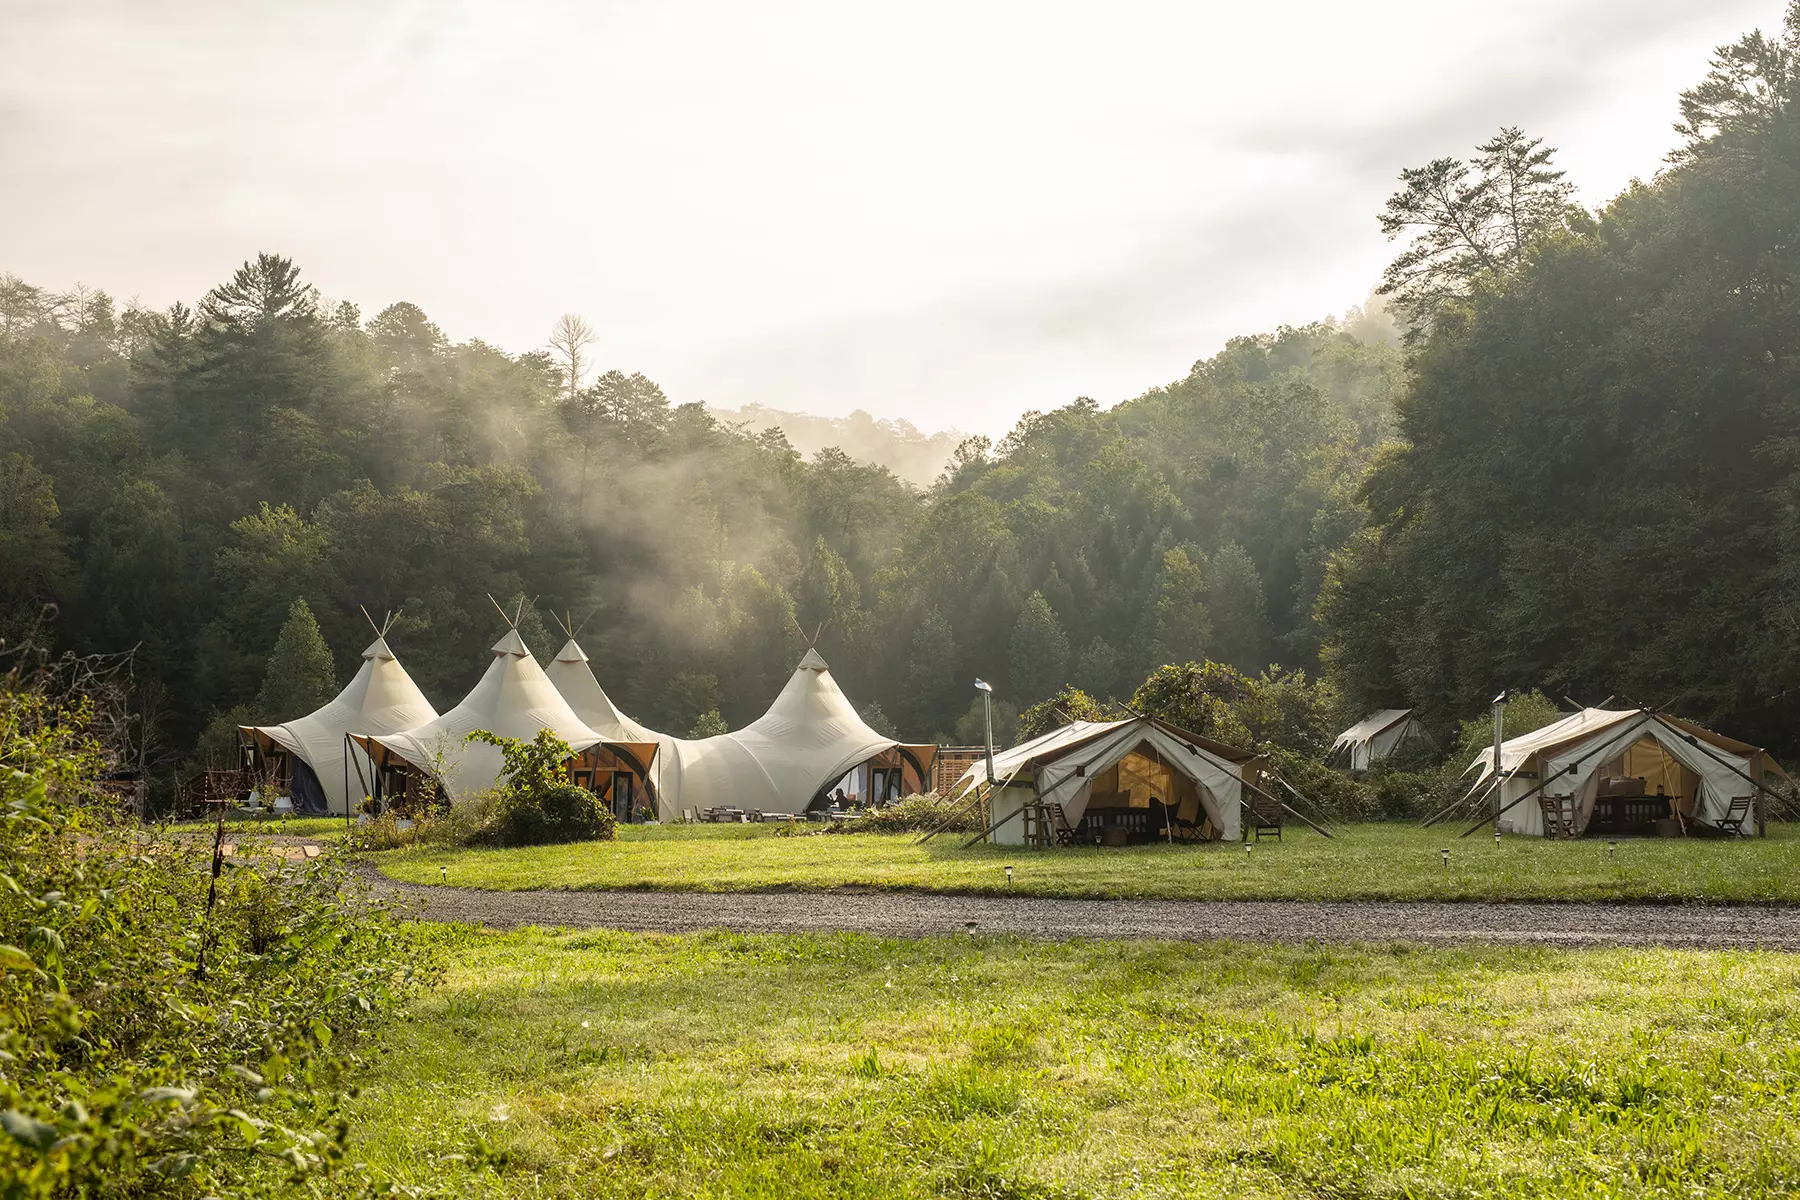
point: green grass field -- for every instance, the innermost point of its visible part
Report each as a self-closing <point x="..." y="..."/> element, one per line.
<point x="237" y="824"/>
<point x="1363" y="862"/>
<point x="603" y="1064"/>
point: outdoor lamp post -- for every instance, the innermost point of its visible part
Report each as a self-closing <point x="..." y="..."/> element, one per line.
<point x="987" y="704"/>
<point x="1499" y="736"/>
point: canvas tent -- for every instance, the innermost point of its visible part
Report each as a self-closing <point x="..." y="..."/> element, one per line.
<point x="514" y="699"/>
<point x="810" y="738"/>
<point x="323" y="768"/>
<point x="1120" y="765"/>
<point x="1377" y="736"/>
<point x="1578" y="764"/>
<point x="635" y="748"/>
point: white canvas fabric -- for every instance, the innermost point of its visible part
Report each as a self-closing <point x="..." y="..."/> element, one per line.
<point x="1061" y="766"/>
<point x="1374" y="738"/>
<point x="573" y="676"/>
<point x="1572" y="752"/>
<point x="382" y="698"/>
<point x="810" y="738"/>
<point x="514" y="698"/>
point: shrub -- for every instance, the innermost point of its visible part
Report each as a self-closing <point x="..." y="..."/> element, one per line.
<point x="170" y="1023"/>
<point x="919" y="814"/>
<point x="537" y="805"/>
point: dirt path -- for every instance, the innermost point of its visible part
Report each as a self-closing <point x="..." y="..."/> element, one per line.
<point x="911" y="914"/>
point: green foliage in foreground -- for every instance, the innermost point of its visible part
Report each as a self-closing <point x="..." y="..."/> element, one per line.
<point x="717" y="1065"/>
<point x="161" y="1033"/>
<point x="537" y="805"/>
<point x="1362" y="862"/>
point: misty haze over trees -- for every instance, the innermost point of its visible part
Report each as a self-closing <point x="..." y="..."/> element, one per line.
<point x="1578" y="473"/>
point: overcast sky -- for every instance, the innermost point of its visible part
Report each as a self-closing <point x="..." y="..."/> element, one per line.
<point x="944" y="212"/>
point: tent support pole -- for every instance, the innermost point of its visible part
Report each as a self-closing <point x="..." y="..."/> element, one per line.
<point x="976" y="795"/>
<point x="974" y="801"/>
<point x="1501" y="811"/>
<point x="1462" y="802"/>
<point x="990" y="829"/>
<point x="1684" y="735"/>
<point x="1318" y="829"/>
<point x="1279" y="803"/>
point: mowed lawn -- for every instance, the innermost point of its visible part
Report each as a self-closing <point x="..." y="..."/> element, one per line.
<point x="1363" y="862"/>
<point x="606" y="1064"/>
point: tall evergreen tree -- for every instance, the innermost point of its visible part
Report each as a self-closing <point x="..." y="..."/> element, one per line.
<point x="1038" y="654"/>
<point x="1240" y="611"/>
<point x="300" y="676"/>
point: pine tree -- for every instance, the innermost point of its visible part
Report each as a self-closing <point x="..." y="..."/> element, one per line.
<point x="300" y="676"/>
<point x="1184" y="628"/>
<point x="1240" y="615"/>
<point x="1039" y="651"/>
<point x="1097" y="669"/>
<point x="934" y="688"/>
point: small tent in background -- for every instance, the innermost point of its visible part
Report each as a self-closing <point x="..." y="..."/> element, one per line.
<point x="1142" y="777"/>
<point x="322" y="770"/>
<point x="1376" y="737"/>
<point x="1625" y="771"/>
<point x="514" y="699"/>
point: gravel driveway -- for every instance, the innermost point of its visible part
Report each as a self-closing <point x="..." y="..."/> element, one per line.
<point x="912" y="914"/>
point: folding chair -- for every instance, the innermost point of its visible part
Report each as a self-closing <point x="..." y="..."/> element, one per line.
<point x="1732" y="823"/>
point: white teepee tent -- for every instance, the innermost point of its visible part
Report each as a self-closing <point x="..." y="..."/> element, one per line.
<point x="513" y="699"/>
<point x="382" y="698"/>
<point x="809" y="739"/>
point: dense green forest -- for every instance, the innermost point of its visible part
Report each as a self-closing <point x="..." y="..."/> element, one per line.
<point x="1577" y="473"/>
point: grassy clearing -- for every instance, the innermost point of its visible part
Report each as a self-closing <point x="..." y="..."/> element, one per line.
<point x="603" y="1064"/>
<point x="237" y="824"/>
<point x="1364" y="862"/>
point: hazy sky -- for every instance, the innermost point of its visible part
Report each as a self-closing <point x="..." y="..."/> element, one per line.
<point x="947" y="212"/>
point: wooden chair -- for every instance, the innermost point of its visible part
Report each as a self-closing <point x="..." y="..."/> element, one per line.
<point x="1732" y="823"/>
<point x="1061" y="832"/>
<point x="1266" y="818"/>
<point x="1559" y="815"/>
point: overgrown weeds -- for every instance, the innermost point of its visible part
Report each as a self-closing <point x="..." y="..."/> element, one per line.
<point x="170" y="1022"/>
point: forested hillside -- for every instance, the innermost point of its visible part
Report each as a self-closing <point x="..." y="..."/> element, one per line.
<point x="1578" y="474"/>
<point x="1597" y="491"/>
<point x="174" y="480"/>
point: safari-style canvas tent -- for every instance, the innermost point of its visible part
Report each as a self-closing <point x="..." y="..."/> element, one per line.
<point x="322" y="768"/>
<point x="1605" y="770"/>
<point x="1140" y="775"/>
<point x="1376" y="737"/>
<point x="514" y="699"/>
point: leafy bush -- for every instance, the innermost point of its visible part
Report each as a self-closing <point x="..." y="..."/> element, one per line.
<point x="918" y="814"/>
<point x="537" y="805"/>
<point x="170" y="1022"/>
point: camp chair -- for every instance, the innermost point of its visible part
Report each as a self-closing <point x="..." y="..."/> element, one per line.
<point x="1559" y="815"/>
<point x="1732" y="823"/>
<point x="1266" y="817"/>
<point x="1061" y="831"/>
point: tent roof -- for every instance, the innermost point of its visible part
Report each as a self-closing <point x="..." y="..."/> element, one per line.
<point x="1371" y="725"/>
<point x="380" y="698"/>
<point x="1579" y="727"/>
<point x="514" y="698"/>
<point x="1058" y="743"/>
<point x="573" y="675"/>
